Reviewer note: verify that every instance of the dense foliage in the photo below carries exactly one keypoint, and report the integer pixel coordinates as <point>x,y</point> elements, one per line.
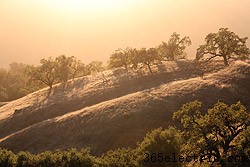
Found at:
<point>157,145</point>
<point>69,158</point>
<point>213,135</point>
<point>14,83</point>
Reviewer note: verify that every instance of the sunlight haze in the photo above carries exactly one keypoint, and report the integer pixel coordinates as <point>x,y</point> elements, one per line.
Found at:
<point>92,29</point>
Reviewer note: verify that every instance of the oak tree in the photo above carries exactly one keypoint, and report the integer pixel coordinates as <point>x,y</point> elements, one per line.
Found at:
<point>63,67</point>
<point>77,68</point>
<point>95,66</point>
<point>146,57</point>
<point>121,58</point>
<point>175,47</point>
<point>212,135</point>
<point>44,73</point>
<point>225,44</point>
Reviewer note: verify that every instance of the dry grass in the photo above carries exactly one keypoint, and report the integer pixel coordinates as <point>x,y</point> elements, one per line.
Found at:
<point>88,113</point>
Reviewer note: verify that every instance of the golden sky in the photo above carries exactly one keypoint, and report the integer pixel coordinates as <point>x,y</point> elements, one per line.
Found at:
<point>93,29</point>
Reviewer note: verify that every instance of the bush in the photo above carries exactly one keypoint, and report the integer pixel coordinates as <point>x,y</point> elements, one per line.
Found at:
<point>120,157</point>
<point>160,143</point>
<point>25,159</point>
<point>7,158</point>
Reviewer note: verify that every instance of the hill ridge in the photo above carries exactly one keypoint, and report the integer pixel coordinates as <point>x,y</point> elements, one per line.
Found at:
<point>153,107</point>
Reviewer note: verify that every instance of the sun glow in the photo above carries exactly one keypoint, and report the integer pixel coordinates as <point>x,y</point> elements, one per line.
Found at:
<point>90,5</point>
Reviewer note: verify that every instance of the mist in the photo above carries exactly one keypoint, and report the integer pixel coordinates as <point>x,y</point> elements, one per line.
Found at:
<point>32,30</point>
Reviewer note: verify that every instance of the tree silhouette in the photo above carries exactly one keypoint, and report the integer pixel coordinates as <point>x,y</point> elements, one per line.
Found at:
<point>44,73</point>
<point>63,67</point>
<point>121,58</point>
<point>225,44</point>
<point>77,67</point>
<point>175,47</point>
<point>146,57</point>
<point>95,66</point>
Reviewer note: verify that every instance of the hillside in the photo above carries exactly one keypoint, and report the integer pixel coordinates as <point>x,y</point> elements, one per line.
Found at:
<point>90,113</point>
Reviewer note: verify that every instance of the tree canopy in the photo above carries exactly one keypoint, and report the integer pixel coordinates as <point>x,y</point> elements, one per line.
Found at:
<point>44,73</point>
<point>146,57</point>
<point>60,69</point>
<point>95,66</point>
<point>159,143</point>
<point>225,44</point>
<point>63,67</point>
<point>14,84</point>
<point>175,47</point>
<point>121,58</point>
<point>212,134</point>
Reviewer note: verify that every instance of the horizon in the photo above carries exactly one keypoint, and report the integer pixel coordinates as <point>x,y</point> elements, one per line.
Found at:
<point>92,30</point>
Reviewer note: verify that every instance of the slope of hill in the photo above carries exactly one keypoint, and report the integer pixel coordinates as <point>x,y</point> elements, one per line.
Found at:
<point>2,103</point>
<point>83,92</point>
<point>88,113</point>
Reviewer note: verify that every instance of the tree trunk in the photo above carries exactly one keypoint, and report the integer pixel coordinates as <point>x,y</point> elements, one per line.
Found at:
<point>225,61</point>
<point>149,69</point>
<point>126,68</point>
<point>172,57</point>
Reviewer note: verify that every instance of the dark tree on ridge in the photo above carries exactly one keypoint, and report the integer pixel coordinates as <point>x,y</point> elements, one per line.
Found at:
<point>225,44</point>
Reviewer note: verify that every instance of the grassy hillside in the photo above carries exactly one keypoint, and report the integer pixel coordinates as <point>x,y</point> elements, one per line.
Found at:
<point>90,113</point>
<point>83,92</point>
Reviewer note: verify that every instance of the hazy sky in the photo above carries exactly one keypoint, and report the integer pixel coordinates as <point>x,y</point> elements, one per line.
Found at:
<point>93,29</point>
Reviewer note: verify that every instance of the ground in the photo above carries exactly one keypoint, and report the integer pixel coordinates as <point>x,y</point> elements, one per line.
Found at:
<point>116,111</point>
